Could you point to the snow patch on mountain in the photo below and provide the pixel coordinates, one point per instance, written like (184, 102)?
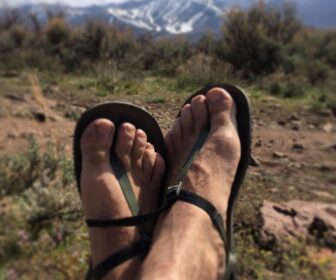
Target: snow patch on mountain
(174, 17)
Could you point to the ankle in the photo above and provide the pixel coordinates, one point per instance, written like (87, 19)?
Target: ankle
(186, 243)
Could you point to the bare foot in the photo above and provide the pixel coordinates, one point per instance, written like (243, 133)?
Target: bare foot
(101, 194)
(186, 233)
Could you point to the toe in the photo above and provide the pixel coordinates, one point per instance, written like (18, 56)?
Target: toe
(139, 146)
(200, 112)
(169, 143)
(177, 133)
(187, 120)
(124, 144)
(96, 141)
(148, 161)
(220, 104)
(158, 169)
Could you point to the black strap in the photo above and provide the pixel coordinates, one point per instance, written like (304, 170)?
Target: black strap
(117, 258)
(208, 207)
(173, 194)
(135, 220)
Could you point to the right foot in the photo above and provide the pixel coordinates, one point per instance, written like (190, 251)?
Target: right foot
(101, 193)
(186, 233)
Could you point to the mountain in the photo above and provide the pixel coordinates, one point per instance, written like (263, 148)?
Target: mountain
(171, 17)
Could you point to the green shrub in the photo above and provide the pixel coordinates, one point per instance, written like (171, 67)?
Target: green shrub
(57, 31)
(255, 41)
(201, 70)
(18, 35)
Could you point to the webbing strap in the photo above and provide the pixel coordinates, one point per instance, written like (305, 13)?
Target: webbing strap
(193, 153)
(174, 194)
(121, 175)
(116, 259)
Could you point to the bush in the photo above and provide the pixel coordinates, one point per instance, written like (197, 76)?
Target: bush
(165, 55)
(57, 31)
(255, 40)
(201, 70)
(289, 89)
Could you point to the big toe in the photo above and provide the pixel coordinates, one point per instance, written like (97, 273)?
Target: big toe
(96, 142)
(221, 106)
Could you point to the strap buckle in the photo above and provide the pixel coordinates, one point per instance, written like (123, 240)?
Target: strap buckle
(173, 191)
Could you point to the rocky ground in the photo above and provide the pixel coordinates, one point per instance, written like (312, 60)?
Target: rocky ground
(289, 196)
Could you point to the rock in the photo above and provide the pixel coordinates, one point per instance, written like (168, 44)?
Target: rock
(328, 127)
(279, 155)
(296, 165)
(9, 74)
(39, 116)
(294, 117)
(329, 147)
(325, 112)
(12, 135)
(322, 194)
(324, 168)
(258, 143)
(295, 127)
(255, 161)
(281, 122)
(302, 220)
(297, 147)
(14, 97)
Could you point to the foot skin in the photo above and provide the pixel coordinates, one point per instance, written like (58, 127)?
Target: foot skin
(101, 193)
(185, 236)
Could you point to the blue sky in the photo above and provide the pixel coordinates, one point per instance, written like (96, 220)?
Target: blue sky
(71, 2)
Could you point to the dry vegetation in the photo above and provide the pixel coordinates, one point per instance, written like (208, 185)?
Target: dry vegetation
(289, 71)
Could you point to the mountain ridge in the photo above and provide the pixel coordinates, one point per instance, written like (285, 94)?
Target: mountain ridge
(171, 17)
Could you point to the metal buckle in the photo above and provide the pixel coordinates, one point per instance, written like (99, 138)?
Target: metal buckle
(175, 189)
(173, 192)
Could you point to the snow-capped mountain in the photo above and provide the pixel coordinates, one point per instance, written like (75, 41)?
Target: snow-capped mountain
(170, 17)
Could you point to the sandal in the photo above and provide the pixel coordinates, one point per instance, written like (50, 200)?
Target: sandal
(175, 192)
(119, 113)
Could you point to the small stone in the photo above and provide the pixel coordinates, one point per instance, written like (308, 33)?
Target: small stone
(297, 147)
(326, 112)
(282, 122)
(295, 127)
(296, 165)
(329, 147)
(294, 117)
(322, 194)
(255, 161)
(279, 155)
(12, 135)
(311, 126)
(258, 143)
(324, 168)
(39, 116)
(328, 127)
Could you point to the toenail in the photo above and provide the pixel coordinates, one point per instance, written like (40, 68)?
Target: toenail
(128, 127)
(141, 134)
(215, 96)
(199, 98)
(103, 130)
